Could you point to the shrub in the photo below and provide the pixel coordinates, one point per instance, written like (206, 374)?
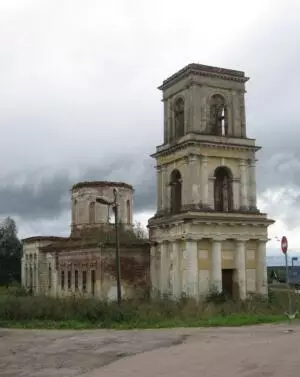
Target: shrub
(137, 313)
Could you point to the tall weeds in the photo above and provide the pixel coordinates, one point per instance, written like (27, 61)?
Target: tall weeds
(14, 307)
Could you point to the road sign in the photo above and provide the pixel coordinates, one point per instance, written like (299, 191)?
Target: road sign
(284, 244)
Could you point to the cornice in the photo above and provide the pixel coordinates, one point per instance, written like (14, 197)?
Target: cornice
(205, 71)
(195, 143)
(190, 237)
(193, 82)
(243, 220)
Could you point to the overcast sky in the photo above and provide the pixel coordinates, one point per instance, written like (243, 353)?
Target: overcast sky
(78, 97)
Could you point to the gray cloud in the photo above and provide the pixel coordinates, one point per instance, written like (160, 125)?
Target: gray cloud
(79, 99)
(47, 197)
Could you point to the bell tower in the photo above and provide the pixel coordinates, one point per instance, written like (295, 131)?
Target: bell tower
(207, 233)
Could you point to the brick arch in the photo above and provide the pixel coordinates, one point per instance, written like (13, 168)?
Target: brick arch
(176, 191)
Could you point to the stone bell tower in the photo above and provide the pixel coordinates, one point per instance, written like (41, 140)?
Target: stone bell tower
(207, 233)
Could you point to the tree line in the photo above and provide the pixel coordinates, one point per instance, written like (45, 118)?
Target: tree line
(10, 253)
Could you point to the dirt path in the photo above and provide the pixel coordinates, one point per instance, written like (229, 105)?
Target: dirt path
(245, 352)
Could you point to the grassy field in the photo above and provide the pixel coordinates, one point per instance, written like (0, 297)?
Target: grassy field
(18, 310)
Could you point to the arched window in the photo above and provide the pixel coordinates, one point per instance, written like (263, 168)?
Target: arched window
(49, 277)
(26, 277)
(62, 279)
(30, 278)
(218, 116)
(176, 188)
(74, 211)
(179, 117)
(128, 212)
(223, 189)
(92, 218)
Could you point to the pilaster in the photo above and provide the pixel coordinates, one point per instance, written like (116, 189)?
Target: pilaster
(216, 268)
(176, 275)
(236, 193)
(195, 187)
(252, 185)
(211, 192)
(240, 259)
(192, 268)
(153, 270)
(165, 189)
(261, 270)
(164, 268)
(204, 182)
(159, 188)
(244, 205)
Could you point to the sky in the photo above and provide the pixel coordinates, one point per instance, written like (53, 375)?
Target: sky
(79, 98)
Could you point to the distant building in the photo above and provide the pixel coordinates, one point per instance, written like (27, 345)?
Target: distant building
(84, 263)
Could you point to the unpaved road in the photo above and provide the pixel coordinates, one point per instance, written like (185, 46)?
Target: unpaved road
(234, 352)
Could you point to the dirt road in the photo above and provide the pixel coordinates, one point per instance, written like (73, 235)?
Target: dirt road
(245, 352)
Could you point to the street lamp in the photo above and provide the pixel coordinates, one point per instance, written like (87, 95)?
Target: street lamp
(115, 205)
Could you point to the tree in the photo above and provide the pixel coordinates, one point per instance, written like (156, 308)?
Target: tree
(10, 253)
(140, 231)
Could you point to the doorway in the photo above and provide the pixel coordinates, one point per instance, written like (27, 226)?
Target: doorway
(227, 282)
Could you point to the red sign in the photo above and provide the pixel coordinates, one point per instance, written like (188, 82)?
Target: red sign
(284, 244)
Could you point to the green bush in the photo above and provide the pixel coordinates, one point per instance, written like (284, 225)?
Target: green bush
(159, 312)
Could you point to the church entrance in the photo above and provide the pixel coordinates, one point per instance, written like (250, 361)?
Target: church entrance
(227, 282)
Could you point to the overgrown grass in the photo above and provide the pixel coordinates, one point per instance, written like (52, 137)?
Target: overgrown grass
(84, 313)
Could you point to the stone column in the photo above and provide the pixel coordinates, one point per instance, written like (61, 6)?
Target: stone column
(261, 269)
(236, 193)
(252, 185)
(194, 184)
(244, 205)
(204, 181)
(192, 268)
(153, 270)
(216, 265)
(159, 188)
(241, 268)
(164, 268)
(176, 278)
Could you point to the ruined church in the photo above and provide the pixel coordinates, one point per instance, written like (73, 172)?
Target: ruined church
(207, 233)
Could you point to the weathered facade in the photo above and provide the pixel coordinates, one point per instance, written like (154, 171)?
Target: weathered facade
(207, 232)
(85, 263)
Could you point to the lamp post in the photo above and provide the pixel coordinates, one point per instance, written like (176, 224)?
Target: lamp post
(115, 205)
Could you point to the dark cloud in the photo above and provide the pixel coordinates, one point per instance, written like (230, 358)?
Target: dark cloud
(48, 197)
(78, 96)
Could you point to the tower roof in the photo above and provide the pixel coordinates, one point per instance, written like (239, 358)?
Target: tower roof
(101, 184)
(204, 70)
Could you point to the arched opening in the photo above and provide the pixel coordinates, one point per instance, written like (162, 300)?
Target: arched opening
(176, 189)
(128, 209)
(92, 218)
(62, 279)
(111, 214)
(30, 278)
(49, 277)
(218, 115)
(179, 117)
(26, 277)
(223, 190)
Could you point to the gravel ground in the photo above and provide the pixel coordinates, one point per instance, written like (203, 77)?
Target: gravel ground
(268, 350)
